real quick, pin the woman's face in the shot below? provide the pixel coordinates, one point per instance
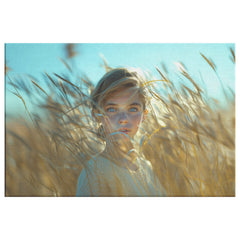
(123, 113)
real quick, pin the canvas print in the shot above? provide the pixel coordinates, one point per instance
(120, 120)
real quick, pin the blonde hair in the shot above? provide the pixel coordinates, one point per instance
(115, 79)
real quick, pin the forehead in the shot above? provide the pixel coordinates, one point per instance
(124, 96)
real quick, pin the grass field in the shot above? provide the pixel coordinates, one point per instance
(190, 142)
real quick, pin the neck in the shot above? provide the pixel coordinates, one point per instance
(121, 152)
(124, 147)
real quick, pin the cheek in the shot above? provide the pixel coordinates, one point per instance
(108, 122)
(137, 119)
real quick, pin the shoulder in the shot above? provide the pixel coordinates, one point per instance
(97, 165)
(86, 178)
(92, 176)
(98, 178)
(94, 163)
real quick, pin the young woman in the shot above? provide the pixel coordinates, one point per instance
(119, 105)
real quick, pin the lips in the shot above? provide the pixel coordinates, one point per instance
(124, 130)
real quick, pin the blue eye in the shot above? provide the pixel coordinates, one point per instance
(111, 109)
(133, 109)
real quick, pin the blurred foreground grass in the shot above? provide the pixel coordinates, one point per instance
(190, 143)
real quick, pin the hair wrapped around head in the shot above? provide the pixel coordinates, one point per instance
(116, 79)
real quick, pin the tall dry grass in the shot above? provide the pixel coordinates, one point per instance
(190, 143)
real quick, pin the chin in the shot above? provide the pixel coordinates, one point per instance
(126, 137)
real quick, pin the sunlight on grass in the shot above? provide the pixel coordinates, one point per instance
(190, 142)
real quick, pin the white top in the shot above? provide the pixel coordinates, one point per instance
(102, 177)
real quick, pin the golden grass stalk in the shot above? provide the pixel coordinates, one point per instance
(191, 145)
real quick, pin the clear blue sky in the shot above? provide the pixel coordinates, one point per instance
(34, 59)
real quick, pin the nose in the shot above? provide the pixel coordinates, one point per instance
(123, 119)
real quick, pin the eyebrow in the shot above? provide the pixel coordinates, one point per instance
(114, 104)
